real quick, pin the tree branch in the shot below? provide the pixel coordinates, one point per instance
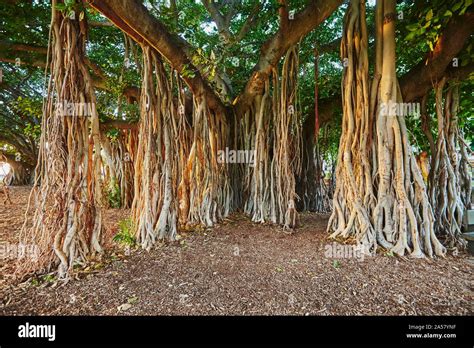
(222, 22)
(14, 46)
(305, 21)
(421, 78)
(99, 79)
(134, 19)
(249, 22)
(415, 83)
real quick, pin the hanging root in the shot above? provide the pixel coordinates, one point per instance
(400, 218)
(178, 178)
(64, 207)
(210, 194)
(118, 155)
(271, 187)
(448, 169)
(154, 208)
(354, 198)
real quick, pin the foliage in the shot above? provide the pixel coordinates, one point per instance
(125, 235)
(433, 18)
(328, 141)
(32, 108)
(113, 194)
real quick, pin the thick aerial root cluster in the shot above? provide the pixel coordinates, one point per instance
(354, 196)
(380, 197)
(65, 203)
(275, 135)
(178, 178)
(155, 208)
(19, 173)
(449, 169)
(465, 174)
(118, 153)
(210, 193)
(315, 194)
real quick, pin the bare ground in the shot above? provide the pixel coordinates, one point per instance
(240, 268)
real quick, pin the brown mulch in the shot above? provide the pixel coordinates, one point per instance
(12, 218)
(244, 268)
(11, 221)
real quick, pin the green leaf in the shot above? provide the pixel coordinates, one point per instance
(429, 15)
(457, 6)
(410, 36)
(421, 31)
(466, 6)
(60, 7)
(448, 13)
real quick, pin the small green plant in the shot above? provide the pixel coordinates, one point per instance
(113, 194)
(49, 278)
(336, 264)
(125, 234)
(46, 278)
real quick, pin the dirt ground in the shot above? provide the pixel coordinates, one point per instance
(240, 268)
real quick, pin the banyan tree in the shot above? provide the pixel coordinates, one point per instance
(202, 146)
